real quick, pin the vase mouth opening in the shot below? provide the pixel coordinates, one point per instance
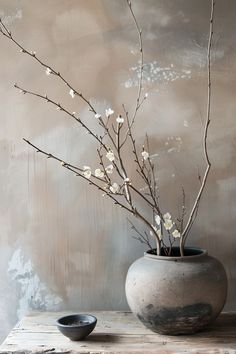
(189, 252)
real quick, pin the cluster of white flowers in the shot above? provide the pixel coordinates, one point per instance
(176, 234)
(87, 171)
(99, 173)
(108, 113)
(168, 225)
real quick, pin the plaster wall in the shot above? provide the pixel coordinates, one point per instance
(63, 246)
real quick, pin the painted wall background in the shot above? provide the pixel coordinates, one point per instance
(63, 246)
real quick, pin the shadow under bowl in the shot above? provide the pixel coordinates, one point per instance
(76, 327)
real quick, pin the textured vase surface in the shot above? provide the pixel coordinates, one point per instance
(174, 295)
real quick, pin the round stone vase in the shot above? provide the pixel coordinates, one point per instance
(176, 295)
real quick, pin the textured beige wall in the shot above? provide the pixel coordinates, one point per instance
(63, 245)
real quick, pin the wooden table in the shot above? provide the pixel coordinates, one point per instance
(116, 332)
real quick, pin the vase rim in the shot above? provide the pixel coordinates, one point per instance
(197, 253)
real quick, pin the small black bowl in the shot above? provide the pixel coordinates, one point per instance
(76, 327)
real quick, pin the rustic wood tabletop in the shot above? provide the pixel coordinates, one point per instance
(116, 332)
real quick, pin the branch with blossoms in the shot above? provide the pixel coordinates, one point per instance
(111, 175)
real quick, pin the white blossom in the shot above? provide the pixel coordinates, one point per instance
(168, 224)
(109, 169)
(186, 124)
(176, 234)
(110, 155)
(48, 71)
(72, 93)
(109, 112)
(167, 216)
(157, 231)
(120, 120)
(157, 219)
(146, 95)
(126, 180)
(97, 115)
(87, 172)
(145, 155)
(159, 234)
(99, 173)
(114, 188)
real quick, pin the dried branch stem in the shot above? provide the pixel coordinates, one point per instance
(204, 180)
(141, 237)
(78, 173)
(140, 85)
(33, 55)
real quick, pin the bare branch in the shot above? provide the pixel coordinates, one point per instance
(63, 162)
(204, 180)
(60, 108)
(140, 170)
(77, 172)
(183, 211)
(52, 71)
(141, 238)
(139, 31)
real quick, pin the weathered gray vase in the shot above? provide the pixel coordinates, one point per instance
(174, 295)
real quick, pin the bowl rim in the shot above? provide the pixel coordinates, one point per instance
(93, 318)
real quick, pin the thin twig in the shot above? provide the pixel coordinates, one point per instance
(54, 72)
(79, 174)
(61, 108)
(140, 168)
(139, 31)
(141, 238)
(183, 210)
(63, 162)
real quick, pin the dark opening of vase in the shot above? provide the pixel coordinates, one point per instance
(175, 252)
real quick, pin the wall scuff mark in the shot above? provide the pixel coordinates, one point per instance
(33, 294)
(153, 72)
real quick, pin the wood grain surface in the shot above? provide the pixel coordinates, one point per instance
(117, 332)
